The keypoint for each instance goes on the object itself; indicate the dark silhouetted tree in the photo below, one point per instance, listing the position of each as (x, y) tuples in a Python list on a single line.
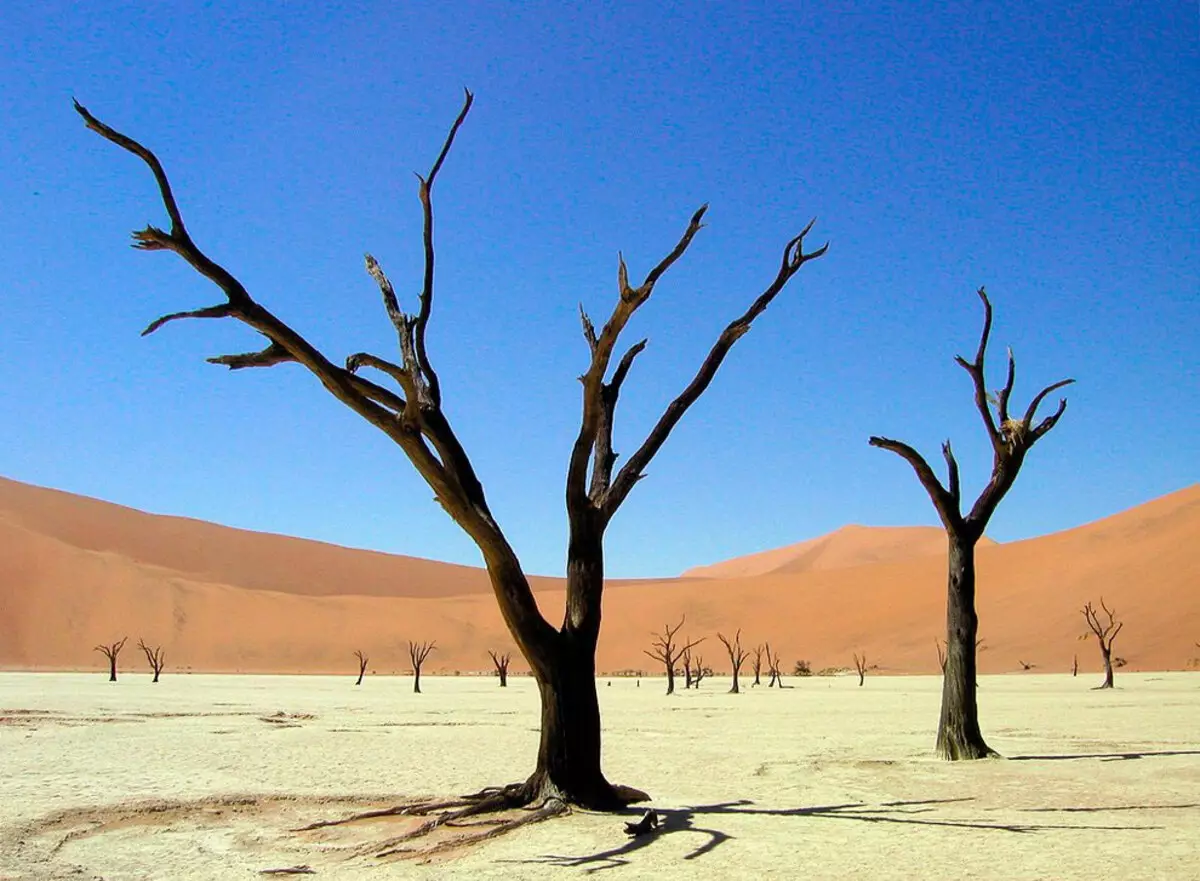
[(417, 653), (756, 664), (699, 671), (111, 651), (665, 650), (772, 666), (362, 666), (154, 657), (1106, 633), (737, 656), (501, 662), (406, 405), (1011, 439), (1075, 665), (860, 664)]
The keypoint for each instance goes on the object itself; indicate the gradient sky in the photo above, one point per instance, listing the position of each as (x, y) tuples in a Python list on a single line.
[(1048, 151)]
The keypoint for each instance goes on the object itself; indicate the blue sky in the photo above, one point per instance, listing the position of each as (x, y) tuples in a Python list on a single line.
[(1048, 151)]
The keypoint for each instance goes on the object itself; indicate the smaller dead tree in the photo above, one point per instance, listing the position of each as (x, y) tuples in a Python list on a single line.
[(501, 662), (111, 652), (1025, 665), (154, 657), (860, 664), (1075, 665), (737, 656), (1106, 633), (757, 664), (362, 665), (665, 650), (699, 671), (417, 653), (773, 666), (685, 658)]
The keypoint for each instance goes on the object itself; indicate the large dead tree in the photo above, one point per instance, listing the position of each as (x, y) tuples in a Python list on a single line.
[(1106, 634), (1011, 439), (501, 662), (665, 650), (362, 665), (154, 657), (737, 656), (406, 405), (111, 651), (417, 653)]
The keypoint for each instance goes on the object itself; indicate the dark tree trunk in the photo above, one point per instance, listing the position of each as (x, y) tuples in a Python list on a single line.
[(958, 734), (504, 677), (670, 681), (156, 672), (734, 689), (1075, 665), (417, 681), (359, 680), (862, 676), (1108, 668), (112, 669)]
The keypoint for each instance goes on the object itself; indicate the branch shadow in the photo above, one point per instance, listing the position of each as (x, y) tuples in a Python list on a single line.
[(911, 812), (1107, 757)]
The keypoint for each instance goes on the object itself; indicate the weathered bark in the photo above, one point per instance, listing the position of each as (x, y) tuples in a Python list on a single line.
[(737, 656), (501, 662), (1106, 633), (959, 736), (154, 657), (1011, 439), (111, 652), (562, 660), (362, 666)]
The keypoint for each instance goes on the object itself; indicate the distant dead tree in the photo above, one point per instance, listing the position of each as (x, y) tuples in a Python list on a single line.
[(860, 664), (362, 665), (1075, 665), (1106, 633), (154, 657), (501, 662), (404, 401), (1011, 439), (737, 656), (773, 666), (417, 653), (111, 652), (1024, 665), (685, 658), (699, 671), (665, 650), (756, 664)]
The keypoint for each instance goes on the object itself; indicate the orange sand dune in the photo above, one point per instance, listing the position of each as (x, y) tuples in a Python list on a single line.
[(75, 572), (842, 549)]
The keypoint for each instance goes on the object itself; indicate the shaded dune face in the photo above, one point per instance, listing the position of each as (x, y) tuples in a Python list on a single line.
[(75, 572)]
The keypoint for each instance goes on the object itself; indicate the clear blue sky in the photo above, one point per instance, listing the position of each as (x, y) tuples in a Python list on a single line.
[(1048, 151)]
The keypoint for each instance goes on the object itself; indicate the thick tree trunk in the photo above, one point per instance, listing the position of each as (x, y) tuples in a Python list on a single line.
[(734, 689), (568, 761), (958, 735), (1108, 670), (112, 669), (156, 672), (417, 680), (504, 677), (360, 678)]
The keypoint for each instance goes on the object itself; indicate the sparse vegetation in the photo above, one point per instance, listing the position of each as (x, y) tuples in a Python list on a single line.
[(1105, 632), (417, 653), (111, 651), (665, 650), (154, 657)]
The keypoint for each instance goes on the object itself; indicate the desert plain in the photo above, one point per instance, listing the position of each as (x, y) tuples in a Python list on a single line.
[(209, 776)]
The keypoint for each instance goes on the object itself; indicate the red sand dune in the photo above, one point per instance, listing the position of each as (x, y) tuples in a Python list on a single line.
[(75, 572)]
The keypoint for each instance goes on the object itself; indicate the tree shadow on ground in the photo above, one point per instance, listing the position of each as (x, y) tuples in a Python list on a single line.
[(1107, 757), (676, 820)]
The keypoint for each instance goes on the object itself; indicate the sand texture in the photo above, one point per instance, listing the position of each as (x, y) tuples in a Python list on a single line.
[(206, 777)]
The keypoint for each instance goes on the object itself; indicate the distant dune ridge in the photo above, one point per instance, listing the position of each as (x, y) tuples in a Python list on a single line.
[(76, 571)]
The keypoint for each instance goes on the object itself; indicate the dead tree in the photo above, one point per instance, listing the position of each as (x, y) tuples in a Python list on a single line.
[(699, 673), (1011, 439), (501, 662), (417, 653), (860, 664), (664, 650), (1075, 665), (154, 657), (685, 658), (362, 665), (406, 405), (737, 656), (1025, 665), (756, 664), (1106, 633), (111, 652), (773, 667)]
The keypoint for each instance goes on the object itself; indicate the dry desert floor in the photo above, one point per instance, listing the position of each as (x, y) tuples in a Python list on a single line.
[(207, 776)]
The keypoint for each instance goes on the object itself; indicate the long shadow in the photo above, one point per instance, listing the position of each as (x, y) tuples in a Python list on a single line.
[(1107, 757), (675, 820)]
